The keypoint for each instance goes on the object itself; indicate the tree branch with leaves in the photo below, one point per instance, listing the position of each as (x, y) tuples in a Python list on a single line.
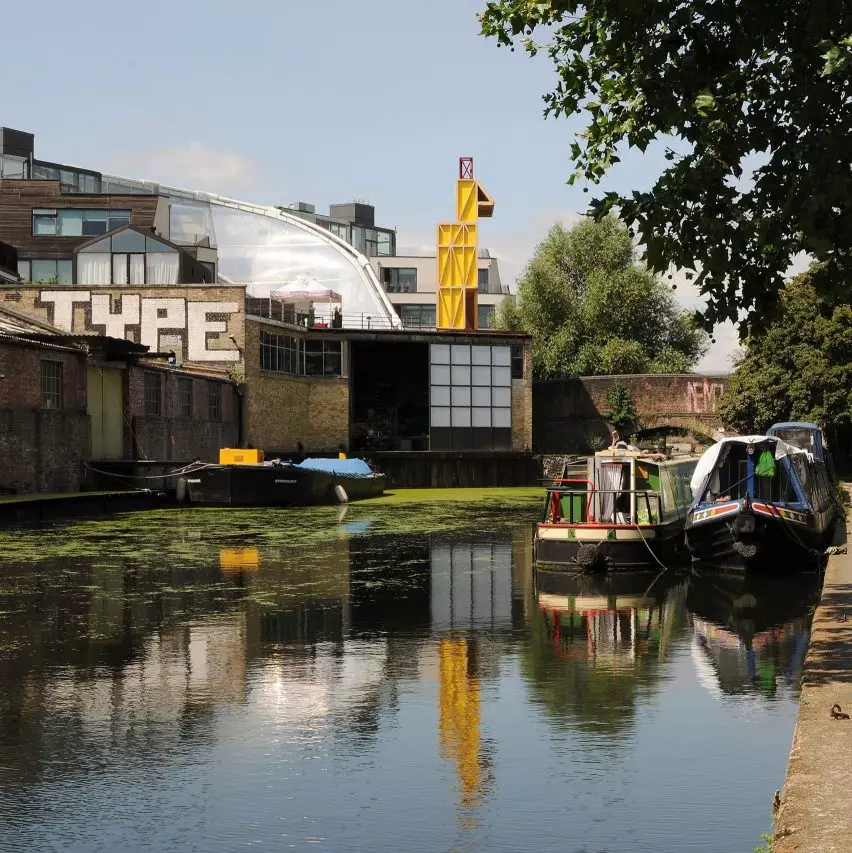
[(731, 82)]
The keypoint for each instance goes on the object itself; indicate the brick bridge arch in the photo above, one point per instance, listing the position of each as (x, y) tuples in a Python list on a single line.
[(568, 413)]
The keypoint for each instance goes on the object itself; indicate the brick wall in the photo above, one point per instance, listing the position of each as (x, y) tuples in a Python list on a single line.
[(187, 325), (568, 413), (522, 406), (170, 436), (283, 410), (41, 450)]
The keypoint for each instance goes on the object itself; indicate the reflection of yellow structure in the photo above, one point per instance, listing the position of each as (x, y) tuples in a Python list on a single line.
[(459, 721), (458, 252), (239, 560)]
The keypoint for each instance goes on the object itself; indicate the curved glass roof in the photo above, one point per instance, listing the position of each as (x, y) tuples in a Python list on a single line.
[(265, 248)]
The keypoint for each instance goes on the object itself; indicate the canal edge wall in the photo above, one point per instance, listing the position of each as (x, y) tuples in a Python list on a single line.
[(815, 815)]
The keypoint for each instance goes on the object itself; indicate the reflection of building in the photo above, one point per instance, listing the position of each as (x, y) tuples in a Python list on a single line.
[(191, 275), (471, 584)]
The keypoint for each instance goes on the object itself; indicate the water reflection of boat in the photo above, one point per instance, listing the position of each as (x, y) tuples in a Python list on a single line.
[(616, 615), (750, 633)]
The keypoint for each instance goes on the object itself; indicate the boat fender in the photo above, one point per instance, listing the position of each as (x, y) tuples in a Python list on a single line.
[(340, 494), (747, 550), (180, 491), (587, 556)]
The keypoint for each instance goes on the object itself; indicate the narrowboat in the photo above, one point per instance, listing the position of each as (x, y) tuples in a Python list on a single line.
[(627, 513), (761, 503), (244, 479), (808, 437)]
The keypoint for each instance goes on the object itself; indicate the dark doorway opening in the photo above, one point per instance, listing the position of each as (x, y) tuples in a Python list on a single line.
[(390, 396)]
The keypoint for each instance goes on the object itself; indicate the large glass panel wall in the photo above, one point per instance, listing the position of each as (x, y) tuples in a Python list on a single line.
[(269, 252), (266, 250), (470, 397)]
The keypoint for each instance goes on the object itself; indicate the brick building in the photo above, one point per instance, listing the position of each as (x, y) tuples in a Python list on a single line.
[(188, 282), (44, 426)]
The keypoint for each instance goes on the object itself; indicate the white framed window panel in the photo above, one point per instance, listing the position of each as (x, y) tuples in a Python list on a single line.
[(470, 386)]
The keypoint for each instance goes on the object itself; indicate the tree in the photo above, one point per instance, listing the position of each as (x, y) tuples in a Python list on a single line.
[(798, 368), (591, 310), (620, 408), (732, 82)]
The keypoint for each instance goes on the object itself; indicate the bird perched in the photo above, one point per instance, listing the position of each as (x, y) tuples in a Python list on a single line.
[(776, 802)]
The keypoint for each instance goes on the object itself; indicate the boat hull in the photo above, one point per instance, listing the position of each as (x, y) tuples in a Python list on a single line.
[(615, 548), (269, 485), (774, 545)]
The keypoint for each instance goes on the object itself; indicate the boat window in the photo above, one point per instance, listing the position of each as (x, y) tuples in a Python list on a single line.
[(800, 465), (797, 436), (647, 480)]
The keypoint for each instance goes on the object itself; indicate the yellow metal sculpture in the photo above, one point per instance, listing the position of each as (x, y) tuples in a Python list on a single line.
[(458, 252)]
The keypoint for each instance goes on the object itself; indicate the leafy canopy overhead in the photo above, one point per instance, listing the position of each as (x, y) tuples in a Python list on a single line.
[(591, 310), (736, 81), (798, 368)]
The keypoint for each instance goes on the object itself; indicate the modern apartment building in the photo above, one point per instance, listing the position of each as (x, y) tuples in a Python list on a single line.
[(410, 281)]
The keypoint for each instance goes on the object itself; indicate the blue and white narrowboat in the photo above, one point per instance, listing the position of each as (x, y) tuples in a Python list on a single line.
[(761, 503)]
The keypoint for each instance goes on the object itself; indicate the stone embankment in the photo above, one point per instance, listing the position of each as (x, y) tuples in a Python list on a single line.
[(815, 815)]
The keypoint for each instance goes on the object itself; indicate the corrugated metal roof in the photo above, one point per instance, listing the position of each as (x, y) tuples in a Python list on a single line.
[(15, 323)]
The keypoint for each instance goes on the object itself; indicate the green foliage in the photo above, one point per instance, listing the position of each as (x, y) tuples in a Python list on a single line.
[(732, 84), (620, 408), (591, 310), (766, 847), (798, 368)]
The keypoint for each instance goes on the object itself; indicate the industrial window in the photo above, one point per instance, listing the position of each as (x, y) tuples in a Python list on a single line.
[(280, 353), (185, 397), (484, 316), (341, 231), (470, 388), (47, 272), (153, 393), (214, 401), (482, 280), (323, 358), (417, 315), (400, 280), (68, 222), (517, 361), (51, 385), (71, 180)]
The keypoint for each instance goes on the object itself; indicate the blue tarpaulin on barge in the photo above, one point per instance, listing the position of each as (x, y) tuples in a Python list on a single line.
[(342, 467)]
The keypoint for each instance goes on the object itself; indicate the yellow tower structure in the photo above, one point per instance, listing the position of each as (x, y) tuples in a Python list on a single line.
[(458, 252)]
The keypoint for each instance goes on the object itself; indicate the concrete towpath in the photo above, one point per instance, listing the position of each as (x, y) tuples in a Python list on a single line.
[(816, 804)]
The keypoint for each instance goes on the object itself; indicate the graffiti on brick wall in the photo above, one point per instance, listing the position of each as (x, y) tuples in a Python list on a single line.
[(198, 329), (702, 396)]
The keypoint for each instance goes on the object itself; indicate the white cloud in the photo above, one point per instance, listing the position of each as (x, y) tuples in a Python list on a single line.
[(192, 166)]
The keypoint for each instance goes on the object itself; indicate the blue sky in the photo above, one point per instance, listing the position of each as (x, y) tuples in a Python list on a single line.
[(322, 102)]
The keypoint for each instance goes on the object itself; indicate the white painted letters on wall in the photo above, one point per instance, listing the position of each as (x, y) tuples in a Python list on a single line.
[(173, 317), (115, 324), (198, 327), (63, 305), (143, 318)]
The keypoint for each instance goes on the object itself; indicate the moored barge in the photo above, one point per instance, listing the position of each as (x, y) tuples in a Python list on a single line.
[(246, 480), (626, 514)]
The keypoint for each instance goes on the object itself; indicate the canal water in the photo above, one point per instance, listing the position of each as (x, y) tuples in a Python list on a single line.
[(381, 677)]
